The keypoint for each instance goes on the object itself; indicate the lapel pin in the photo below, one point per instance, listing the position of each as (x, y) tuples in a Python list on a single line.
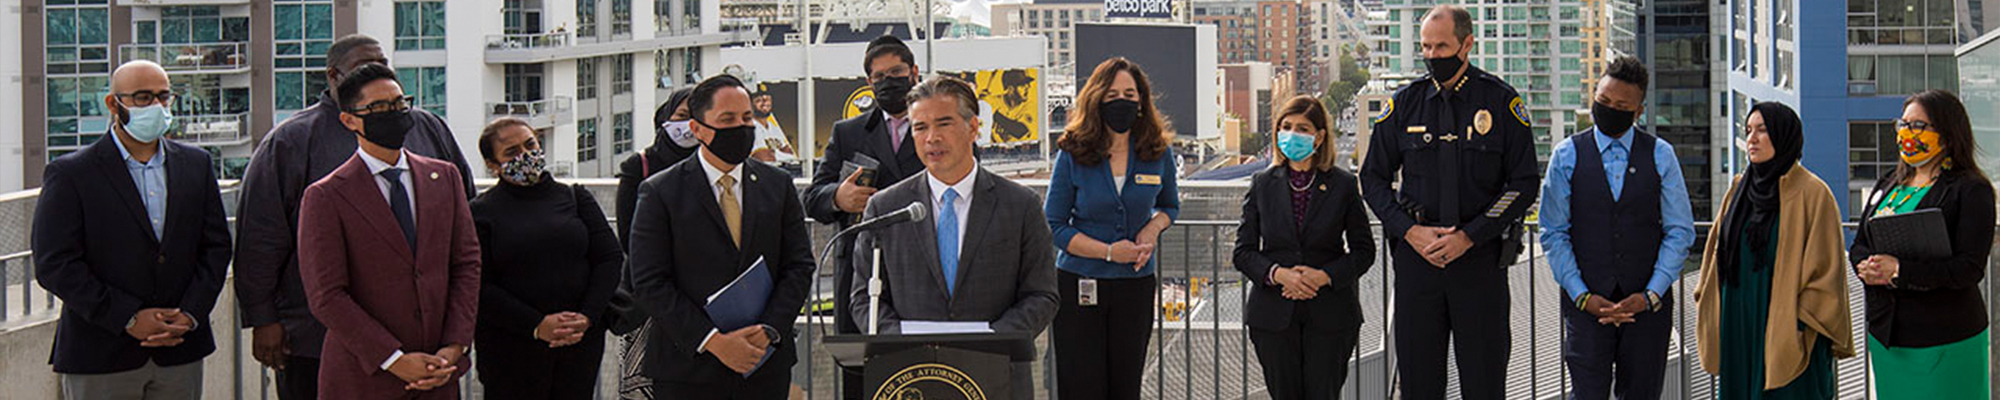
[(434, 176), (753, 178), (1322, 187)]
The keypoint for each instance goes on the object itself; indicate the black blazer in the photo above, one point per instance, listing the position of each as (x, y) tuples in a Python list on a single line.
[(1936, 301), (865, 134), (1268, 238), (681, 253), (94, 248), (635, 169)]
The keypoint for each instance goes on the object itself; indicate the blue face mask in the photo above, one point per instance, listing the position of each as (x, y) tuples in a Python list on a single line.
[(1296, 146), (147, 124)]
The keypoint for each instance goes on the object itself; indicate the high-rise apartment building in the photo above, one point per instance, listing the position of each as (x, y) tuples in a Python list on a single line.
[(1537, 47), (241, 66)]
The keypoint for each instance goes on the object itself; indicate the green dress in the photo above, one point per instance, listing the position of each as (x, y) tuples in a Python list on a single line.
[(1746, 308), (1948, 371)]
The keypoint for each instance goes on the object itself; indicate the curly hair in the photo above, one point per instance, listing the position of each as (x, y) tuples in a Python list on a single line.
[(1088, 140)]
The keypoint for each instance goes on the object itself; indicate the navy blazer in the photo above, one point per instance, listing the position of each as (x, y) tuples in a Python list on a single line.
[(1083, 199), (95, 249)]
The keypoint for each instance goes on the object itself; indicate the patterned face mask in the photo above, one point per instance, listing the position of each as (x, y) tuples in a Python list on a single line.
[(1918, 142), (524, 170)]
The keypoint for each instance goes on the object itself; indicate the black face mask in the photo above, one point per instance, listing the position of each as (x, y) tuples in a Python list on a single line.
[(1444, 67), (1611, 121), (1119, 114), (387, 129), (732, 145), (892, 94)]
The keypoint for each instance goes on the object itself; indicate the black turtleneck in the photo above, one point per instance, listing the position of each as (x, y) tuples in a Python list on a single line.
[(545, 249)]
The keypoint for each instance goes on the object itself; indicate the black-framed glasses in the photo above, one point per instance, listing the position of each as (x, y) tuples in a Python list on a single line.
[(144, 98), (892, 72), (1913, 125), (391, 105)]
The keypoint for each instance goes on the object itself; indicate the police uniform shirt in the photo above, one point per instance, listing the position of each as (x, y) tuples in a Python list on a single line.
[(1465, 155)]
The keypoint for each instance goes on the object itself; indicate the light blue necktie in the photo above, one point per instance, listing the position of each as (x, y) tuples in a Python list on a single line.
[(947, 238)]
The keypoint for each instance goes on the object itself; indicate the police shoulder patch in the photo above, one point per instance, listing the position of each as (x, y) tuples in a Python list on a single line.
[(1388, 107), (1520, 111)]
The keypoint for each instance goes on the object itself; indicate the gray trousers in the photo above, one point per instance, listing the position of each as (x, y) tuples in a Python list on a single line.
[(149, 382)]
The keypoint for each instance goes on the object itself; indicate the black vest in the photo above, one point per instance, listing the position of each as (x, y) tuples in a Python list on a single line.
[(1616, 241)]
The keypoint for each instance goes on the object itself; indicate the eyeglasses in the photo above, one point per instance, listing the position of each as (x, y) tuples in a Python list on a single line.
[(144, 98), (893, 72), (391, 105), (1913, 125)]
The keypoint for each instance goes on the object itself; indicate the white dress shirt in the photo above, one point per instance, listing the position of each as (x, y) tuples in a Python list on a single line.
[(962, 207), (375, 167)]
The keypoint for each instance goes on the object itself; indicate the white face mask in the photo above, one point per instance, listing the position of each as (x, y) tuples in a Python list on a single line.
[(147, 124), (681, 133)]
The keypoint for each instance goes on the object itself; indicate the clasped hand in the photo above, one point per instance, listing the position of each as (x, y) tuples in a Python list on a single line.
[(1301, 282)]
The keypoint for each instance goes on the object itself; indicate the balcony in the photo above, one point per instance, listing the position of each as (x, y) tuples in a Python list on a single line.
[(559, 46), (202, 58), (545, 113), (1199, 348), (212, 130)]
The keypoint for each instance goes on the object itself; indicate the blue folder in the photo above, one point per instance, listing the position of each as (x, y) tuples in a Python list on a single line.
[(741, 303)]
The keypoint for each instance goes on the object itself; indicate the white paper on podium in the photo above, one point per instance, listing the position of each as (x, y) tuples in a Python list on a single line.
[(945, 327)]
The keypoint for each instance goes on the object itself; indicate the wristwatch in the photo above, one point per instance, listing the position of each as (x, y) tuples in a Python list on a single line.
[(771, 334), (1652, 301)]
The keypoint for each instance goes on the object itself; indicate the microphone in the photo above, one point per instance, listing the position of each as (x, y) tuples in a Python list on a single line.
[(915, 212)]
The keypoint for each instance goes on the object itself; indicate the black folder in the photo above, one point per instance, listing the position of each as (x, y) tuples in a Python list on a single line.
[(1918, 234)]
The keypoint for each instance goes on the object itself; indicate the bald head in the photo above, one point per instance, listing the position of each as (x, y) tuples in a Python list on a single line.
[(139, 75)]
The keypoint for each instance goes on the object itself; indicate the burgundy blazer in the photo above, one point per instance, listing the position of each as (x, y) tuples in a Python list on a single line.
[(375, 294)]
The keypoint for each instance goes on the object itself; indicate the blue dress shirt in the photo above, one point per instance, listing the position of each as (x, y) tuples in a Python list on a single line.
[(150, 178), (1676, 216)]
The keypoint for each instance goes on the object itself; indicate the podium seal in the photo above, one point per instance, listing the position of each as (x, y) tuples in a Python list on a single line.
[(930, 381)]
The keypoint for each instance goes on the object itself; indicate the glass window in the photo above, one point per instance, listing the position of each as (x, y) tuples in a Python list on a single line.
[(427, 84), (420, 25), (74, 40), (621, 133), (621, 17), (586, 18), (621, 74), (302, 31), (586, 78), (586, 139)]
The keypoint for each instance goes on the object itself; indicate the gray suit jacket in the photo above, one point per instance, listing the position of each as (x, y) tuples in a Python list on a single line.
[(1006, 266)]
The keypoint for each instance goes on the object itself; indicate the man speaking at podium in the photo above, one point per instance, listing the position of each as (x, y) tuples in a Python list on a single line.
[(984, 256)]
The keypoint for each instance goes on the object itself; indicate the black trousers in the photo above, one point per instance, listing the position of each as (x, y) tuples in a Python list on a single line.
[(774, 384), (299, 380), (1463, 305), (852, 381), (1307, 360), (1101, 350), (521, 369), (1627, 361)]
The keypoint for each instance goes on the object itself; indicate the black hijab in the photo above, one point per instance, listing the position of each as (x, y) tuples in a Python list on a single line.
[(1755, 206)]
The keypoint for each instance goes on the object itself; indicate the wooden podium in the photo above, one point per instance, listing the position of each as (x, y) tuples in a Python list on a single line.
[(934, 367)]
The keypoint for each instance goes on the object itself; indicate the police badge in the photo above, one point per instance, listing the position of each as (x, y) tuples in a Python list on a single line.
[(1482, 122)]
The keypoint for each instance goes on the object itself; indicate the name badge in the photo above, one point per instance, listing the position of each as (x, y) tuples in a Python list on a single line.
[(1414, 129), (1148, 179)]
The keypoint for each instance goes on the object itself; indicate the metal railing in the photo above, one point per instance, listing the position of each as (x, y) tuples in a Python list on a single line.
[(212, 129), (540, 113), (1199, 347), (191, 57), (530, 41)]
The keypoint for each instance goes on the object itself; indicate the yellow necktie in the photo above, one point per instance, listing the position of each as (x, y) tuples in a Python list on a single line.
[(732, 213)]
